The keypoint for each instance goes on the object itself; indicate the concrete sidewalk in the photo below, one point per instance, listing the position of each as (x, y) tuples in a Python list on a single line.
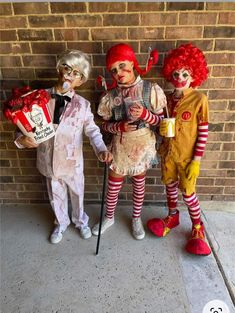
[(154, 275)]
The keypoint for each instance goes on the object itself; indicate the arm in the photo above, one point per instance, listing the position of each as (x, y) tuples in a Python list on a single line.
[(22, 141), (115, 127)]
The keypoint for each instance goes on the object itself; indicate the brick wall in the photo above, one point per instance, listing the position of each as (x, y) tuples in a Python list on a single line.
[(33, 34)]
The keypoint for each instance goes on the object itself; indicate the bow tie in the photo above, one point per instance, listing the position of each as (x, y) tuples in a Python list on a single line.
[(59, 106)]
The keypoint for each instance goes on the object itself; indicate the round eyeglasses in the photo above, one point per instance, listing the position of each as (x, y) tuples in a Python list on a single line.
[(70, 71)]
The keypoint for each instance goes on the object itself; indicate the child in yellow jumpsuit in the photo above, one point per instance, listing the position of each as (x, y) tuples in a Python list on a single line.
[(185, 67)]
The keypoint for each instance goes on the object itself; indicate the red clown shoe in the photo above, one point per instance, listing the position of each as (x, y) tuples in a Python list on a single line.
[(161, 227), (197, 244)]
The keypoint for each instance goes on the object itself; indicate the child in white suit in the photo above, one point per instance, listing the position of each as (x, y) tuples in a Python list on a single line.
[(60, 158)]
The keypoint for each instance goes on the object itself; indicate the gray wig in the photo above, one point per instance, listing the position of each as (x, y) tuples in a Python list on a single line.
[(76, 58)]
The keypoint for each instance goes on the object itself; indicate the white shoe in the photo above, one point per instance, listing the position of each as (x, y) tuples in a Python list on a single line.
[(57, 234), (107, 222), (137, 228), (85, 232)]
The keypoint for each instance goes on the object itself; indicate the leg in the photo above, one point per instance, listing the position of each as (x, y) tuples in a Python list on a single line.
[(161, 227), (138, 183), (79, 217), (57, 191), (197, 243), (114, 186)]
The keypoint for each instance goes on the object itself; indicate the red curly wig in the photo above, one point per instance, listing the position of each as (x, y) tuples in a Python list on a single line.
[(188, 57)]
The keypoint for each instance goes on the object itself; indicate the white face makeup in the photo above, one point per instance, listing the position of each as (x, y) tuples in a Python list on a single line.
[(70, 77), (123, 72), (181, 79)]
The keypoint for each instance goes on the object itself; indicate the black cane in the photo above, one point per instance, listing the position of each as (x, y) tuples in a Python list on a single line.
[(102, 207)]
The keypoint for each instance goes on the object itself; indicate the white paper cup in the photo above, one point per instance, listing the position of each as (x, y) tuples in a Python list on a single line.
[(170, 127)]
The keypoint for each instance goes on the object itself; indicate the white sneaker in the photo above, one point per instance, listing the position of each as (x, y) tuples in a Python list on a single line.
[(57, 234), (107, 222), (137, 228), (85, 232)]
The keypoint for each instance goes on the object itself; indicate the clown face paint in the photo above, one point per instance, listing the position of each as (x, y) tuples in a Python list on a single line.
[(70, 77), (123, 72), (181, 79)]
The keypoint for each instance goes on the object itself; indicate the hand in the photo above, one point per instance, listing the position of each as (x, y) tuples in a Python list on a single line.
[(163, 128), (27, 142), (126, 126), (105, 156), (193, 170), (136, 110)]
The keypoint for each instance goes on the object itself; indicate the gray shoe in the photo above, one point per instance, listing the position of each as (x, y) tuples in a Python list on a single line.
[(57, 234), (137, 228), (85, 232), (107, 222)]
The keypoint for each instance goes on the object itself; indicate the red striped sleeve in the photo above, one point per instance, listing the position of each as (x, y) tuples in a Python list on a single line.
[(201, 139), (113, 127), (150, 118)]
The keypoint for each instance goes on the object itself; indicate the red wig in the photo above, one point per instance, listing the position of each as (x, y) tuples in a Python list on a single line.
[(124, 52), (188, 57)]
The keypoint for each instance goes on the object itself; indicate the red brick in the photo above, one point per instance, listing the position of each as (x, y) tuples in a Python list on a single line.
[(9, 194), (213, 146), (231, 105), (106, 7), (28, 179), (39, 61), (8, 35), (222, 116), (223, 71), (10, 171), (210, 190), (31, 195), (220, 6), (145, 6), (145, 33), (217, 83), (46, 21), (46, 73), (221, 94), (71, 7), (197, 18), (5, 9), (10, 61), (161, 46), (229, 127), (48, 47), (227, 164), (218, 105), (216, 155), (30, 7), (230, 191), (181, 6), (88, 47), (14, 48), (205, 181), (161, 19), (204, 44), (83, 20), (126, 19), (17, 201), (109, 34), (219, 31), (6, 179), (225, 182), (35, 35), (215, 127), (183, 32), (12, 187), (18, 73), (4, 163), (226, 18), (109, 44), (228, 146), (220, 137), (71, 34), (13, 22)]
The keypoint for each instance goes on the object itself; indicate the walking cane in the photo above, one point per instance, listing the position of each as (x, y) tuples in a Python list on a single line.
[(102, 207)]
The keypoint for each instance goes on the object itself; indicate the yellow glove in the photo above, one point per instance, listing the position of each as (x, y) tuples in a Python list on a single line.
[(193, 170), (163, 128)]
